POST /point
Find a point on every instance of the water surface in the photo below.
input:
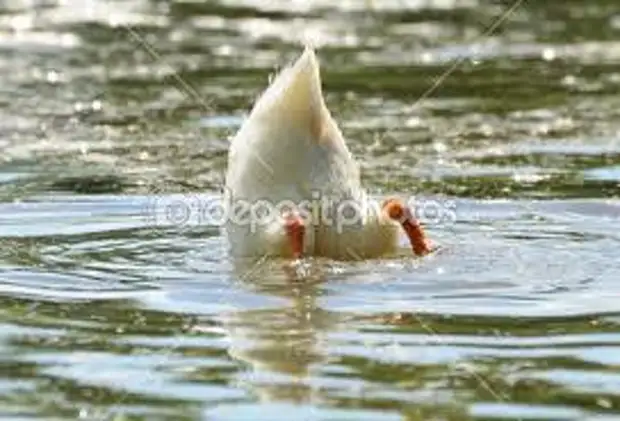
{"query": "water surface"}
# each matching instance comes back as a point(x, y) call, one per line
point(508, 124)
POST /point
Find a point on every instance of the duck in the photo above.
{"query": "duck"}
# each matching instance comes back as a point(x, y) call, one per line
point(293, 188)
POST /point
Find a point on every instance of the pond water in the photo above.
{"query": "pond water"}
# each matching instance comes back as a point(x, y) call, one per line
point(501, 118)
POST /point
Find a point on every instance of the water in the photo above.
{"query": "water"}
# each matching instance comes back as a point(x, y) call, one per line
point(113, 112)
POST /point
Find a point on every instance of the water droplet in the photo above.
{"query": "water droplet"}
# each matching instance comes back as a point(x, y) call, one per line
point(569, 80)
point(224, 50)
point(52, 76)
point(439, 147)
point(351, 40)
point(21, 23)
point(527, 178)
point(549, 54)
point(413, 122)
point(427, 57)
point(96, 105)
point(486, 130)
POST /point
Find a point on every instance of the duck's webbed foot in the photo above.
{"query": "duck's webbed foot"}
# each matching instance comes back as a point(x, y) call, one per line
point(399, 212)
point(295, 229)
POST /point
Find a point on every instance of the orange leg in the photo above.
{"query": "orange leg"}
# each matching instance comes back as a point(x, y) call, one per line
point(295, 231)
point(397, 211)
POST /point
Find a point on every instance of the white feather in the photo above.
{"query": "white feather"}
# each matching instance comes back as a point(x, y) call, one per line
point(290, 149)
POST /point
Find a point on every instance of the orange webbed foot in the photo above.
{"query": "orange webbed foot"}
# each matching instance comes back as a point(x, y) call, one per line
point(295, 231)
point(396, 210)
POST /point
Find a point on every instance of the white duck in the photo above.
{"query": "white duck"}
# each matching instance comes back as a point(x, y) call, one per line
point(293, 188)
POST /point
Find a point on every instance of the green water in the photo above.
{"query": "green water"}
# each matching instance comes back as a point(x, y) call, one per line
point(507, 125)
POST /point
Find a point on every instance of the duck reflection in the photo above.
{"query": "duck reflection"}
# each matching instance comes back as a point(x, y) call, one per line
point(282, 346)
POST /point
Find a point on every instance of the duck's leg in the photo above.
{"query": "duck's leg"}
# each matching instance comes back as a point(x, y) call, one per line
point(397, 211)
point(295, 231)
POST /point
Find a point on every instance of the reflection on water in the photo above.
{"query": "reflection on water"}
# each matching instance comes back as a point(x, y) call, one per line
point(114, 111)
point(280, 346)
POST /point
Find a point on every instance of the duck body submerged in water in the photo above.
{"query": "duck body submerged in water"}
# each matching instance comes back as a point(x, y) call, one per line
point(293, 188)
